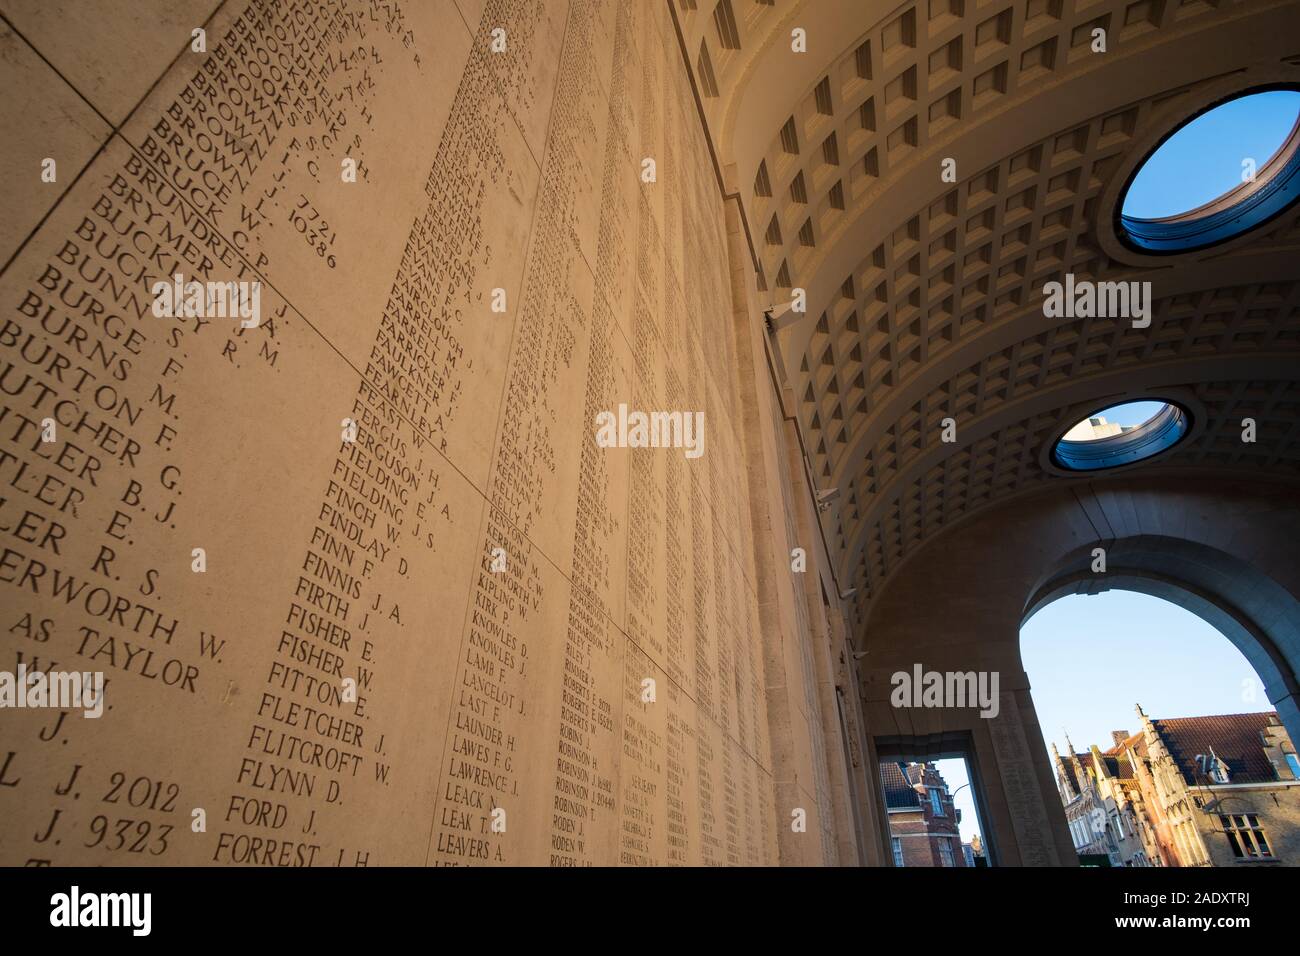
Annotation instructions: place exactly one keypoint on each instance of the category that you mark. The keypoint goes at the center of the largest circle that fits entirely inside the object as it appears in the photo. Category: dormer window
(1213, 767)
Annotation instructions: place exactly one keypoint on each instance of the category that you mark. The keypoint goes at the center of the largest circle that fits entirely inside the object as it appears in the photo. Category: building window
(936, 802)
(1218, 769)
(945, 852)
(1246, 836)
(1293, 762)
(898, 850)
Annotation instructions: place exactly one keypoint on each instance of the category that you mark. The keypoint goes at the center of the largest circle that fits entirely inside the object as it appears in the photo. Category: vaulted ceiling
(924, 296)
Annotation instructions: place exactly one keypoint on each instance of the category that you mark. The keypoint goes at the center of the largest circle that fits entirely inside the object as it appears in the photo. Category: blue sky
(954, 774)
(1129, 413)
(1203, 160)
(1091, 658)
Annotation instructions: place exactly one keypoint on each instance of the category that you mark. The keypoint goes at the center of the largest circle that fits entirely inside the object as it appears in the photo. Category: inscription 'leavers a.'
(637, 429)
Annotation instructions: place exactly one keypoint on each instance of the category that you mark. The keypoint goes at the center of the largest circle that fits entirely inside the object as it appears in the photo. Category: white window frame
(945, 852)
(1246, 836)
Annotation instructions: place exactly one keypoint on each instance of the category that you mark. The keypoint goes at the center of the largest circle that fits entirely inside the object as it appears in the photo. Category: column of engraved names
(640, 755)
(724, 607)
(88, 428)
(583, 789)
(285, 87)
(310, 734)
(479, 778)
(680, 349)
(710, 368)
(656, 323)
(118, 394)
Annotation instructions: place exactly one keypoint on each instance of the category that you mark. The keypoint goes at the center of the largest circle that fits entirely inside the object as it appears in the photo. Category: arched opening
(1121, 435)
(1164, 640)
(1208, 546)
(1256, 614)
(1090, 659)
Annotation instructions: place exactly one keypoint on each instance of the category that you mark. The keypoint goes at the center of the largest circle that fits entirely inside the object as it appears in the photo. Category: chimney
(1119, 736)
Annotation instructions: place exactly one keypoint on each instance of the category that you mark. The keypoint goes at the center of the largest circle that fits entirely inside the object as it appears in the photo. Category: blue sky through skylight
(1203, 160)
(1129, 413)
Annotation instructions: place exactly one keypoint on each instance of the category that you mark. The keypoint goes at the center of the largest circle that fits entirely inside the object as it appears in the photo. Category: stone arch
(1258, 616)
(1220, 547)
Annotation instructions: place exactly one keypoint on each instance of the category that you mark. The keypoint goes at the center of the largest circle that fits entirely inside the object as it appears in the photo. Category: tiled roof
(899, 794)
(1235, 739)
(1132, 742)
(1085, 761)
(1123, 766)
(1117, 766)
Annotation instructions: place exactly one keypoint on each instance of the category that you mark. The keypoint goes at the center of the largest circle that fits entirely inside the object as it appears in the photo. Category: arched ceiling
(924, 296)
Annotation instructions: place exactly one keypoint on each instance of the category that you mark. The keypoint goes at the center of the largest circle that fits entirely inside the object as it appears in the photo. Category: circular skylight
(1225, 171)
(1121, 435)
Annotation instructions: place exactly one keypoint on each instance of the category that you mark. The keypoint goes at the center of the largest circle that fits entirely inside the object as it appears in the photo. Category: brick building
(923, 822)
(1188, 791)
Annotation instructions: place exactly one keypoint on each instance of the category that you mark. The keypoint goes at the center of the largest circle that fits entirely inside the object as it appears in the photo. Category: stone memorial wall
(363, 585)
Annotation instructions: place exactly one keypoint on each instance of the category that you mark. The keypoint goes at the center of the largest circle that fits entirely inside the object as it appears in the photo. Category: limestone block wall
(364, 588)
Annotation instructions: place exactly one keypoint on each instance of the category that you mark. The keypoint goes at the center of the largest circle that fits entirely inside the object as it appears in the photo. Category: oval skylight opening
(1225, 171)
(1121, 435)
